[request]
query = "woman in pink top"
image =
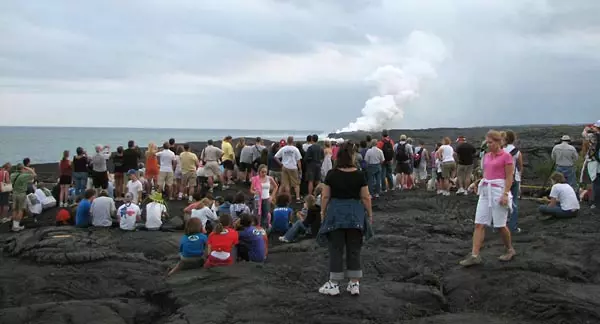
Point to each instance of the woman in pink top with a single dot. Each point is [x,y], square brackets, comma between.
[495,199]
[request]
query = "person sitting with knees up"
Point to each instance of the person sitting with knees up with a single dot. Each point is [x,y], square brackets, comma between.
[252,243]
[155,212]
[191,246]
[282,214]
[129,213]
[204,213]
[220,244]
[309,220]
[563,200]
[238,207]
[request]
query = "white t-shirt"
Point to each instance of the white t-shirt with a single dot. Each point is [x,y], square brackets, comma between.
[565,195]
[515,158]
[305,146]
[135,187]
[447,153]
[154,212]
[128,214]
[166,160]
[204,214]
[289,155]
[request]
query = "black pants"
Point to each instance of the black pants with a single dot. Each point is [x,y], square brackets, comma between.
[351,240]
[243,252]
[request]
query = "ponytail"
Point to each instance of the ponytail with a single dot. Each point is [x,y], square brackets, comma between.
[224,221]
[219,228]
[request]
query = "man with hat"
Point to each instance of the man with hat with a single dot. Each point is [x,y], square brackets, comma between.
[565,156]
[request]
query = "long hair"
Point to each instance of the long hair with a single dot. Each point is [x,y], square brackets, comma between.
[152,149]
[193,226]
[224,221]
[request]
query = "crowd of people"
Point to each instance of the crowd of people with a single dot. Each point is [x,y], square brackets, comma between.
[335,181]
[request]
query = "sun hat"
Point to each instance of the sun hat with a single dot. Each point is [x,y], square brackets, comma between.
[157,197]
[565,138]
[131,172]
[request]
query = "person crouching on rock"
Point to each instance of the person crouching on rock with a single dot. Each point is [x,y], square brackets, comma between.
[252,246]
[495,199]
[563,200]
[129,213]
[191,246]
[345,206]
[221,243]
[308,222]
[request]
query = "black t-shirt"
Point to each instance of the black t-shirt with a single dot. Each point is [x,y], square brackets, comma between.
[465,152]
[313,219]
[80,164]
[314,154]
[130,159]
[345,185]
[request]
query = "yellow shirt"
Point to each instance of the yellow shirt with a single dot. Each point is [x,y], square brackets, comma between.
[227,151]
[188,162]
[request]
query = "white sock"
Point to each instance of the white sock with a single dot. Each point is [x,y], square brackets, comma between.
[16,224]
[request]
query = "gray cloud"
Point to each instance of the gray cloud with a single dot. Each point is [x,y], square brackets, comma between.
[294,64]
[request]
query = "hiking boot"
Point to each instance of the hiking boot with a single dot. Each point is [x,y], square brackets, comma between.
[510,253]
[353,288]
[471,260]
[330,288]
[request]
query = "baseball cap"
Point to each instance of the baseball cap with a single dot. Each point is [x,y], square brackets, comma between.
[282,142]
[131,172]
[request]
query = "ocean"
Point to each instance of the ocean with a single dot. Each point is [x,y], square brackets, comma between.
[46,144]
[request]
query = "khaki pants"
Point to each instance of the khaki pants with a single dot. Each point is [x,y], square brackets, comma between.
[464,172]
[448,169]
[189,179]
[165,178]
[289,178]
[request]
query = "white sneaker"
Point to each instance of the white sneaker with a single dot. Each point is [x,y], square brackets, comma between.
[459,191]
[282,239]
[330,288]
[18,228]
[446,193]
[439,192]
[353,288]
[180,196]
[190,199]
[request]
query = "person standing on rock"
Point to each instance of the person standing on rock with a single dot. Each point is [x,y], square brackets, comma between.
[517,156]
[591,134]
[465,154]
[495,199]
[565,157]
[100,171]
[403,152]
[374,159]
[291,160]
[386,144]
[346,216]
[21,179]
[446,154]
[211,155]
[228,160]
[189,166]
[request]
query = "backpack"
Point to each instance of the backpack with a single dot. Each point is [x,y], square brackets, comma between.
[418,157]
[401,155]
[388,150]
[514,153]
[363,162]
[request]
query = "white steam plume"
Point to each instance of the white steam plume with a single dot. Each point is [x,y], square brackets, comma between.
[396,86]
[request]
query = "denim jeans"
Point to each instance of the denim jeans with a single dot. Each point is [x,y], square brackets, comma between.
[293,232]
[265,209]
[570,175]
[386,173]
[80,179]
[374,173]
[351,240]
[556,211]
[514,216]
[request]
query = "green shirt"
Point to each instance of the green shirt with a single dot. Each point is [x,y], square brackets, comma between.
[20,181]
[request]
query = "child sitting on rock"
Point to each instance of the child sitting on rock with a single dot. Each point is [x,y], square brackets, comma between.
[205,214]
[309,221]
[191,246]
[253,242]
[238,207]
[282,214]
[221,243]
[129,213]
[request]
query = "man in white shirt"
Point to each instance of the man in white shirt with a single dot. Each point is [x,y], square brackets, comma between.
[291,164]
[129,213]
[563,200]
[103,209]
[134,186]
[166,172]
[565,157]
[374,158]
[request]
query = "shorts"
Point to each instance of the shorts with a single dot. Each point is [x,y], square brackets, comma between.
[439,176]
[403,168]
[420,173]
[275,175]
[289,177]
[313,172]
[497,215]
[464,171]
[245,167]
[448,169]
[4,198]
[212,169]
[65,180]
[188,179]
[178,174]
[191,262]
[19,202]
[211,261]
[227,165]
[165,177]
[100,180]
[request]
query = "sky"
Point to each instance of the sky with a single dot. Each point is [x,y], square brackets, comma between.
[297,64]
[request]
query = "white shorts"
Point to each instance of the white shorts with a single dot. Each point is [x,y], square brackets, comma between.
[496,215]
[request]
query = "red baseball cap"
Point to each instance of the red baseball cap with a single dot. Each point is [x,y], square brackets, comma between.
[282,142]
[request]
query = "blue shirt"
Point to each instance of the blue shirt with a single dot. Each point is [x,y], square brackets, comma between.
[82,216]
[192,245]
[281,219]
[224,209]
[252,238]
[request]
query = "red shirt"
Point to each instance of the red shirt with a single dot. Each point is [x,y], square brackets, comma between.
[223,242]
[380,143]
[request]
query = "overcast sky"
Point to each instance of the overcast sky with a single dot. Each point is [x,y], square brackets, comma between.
[292,64]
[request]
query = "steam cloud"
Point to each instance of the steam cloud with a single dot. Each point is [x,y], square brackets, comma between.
[398,86]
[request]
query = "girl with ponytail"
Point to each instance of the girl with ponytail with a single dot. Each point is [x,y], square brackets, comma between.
[220,243]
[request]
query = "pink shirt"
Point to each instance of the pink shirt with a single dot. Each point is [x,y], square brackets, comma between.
[494,164]
[334,152]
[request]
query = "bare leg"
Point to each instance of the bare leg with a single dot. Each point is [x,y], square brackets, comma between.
[478,237]
[175,269]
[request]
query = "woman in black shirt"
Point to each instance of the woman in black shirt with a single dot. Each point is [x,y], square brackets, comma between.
[80,171]
[345,206]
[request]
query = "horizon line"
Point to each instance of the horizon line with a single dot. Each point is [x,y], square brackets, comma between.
[165,128]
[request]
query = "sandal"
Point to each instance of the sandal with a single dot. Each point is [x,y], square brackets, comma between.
[510,253]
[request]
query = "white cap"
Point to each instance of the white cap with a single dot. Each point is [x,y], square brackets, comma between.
[565,138]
